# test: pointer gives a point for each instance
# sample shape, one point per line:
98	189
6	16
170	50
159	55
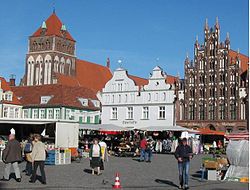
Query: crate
211	165
50	160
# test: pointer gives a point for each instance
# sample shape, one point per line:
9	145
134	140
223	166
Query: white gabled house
134	102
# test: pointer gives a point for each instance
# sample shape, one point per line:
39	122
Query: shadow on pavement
167	182
88	171
197	174
136	159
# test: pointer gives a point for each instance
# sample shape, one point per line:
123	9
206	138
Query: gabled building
129	101
214	92
10	106
58	102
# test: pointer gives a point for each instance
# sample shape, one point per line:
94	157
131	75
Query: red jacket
143	144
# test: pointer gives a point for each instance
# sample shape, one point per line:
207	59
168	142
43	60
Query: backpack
28	147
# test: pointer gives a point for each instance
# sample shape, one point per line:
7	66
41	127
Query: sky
141	33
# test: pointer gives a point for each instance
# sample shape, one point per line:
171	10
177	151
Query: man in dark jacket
12	154
183	154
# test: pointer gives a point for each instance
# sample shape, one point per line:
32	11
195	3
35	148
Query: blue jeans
183	168
149	155
143	155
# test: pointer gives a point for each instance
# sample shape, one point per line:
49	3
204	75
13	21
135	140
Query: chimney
12	80
108	62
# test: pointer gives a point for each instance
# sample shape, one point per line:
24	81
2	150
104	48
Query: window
130	114
212	92
67	116
211	112
5	112
191	112
221	111
126	97
201	112
242	110
42	114
119	98
222	63
149	97
233	111
17	113
114	113
162	112
12	112
145	113
50	114
192	93
113	98
232	77
45	99
156	96
222	92
164	96
233	91
58	115
35	114
201	65
202	93
25	113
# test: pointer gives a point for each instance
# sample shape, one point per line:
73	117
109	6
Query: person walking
95	156
149	150
104	151
183	154
143	146
12	154
38	156
27	151
158	146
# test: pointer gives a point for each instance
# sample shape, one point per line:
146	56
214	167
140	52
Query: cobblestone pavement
160	174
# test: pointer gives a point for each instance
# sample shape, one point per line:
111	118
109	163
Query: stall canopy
206	131
237	136
102	127
164	128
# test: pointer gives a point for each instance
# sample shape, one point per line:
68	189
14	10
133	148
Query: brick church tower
51	51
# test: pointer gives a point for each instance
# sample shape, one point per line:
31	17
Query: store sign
129	122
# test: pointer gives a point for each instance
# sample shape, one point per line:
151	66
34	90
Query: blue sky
136	31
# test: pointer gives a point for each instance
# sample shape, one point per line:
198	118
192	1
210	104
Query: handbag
28	157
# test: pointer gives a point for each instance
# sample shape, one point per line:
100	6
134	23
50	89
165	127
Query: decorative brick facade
214	92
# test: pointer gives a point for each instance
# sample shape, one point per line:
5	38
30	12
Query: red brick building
214	92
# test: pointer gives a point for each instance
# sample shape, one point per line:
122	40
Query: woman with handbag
95	156
38	158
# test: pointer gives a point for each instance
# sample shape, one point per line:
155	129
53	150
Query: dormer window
96	103
45	99
8	96
84	101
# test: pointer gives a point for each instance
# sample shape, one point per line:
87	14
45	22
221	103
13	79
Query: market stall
60	137
238	156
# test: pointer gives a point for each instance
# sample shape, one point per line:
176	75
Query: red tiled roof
92	75
244	59
67	80
6	87
138	80
54	26
171	79
61	95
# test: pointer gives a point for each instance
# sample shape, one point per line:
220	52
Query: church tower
51	52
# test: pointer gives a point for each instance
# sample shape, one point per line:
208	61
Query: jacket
91	151
12	152
38	152
183	152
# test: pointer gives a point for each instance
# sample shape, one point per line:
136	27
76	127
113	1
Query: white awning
102	127
27	121
164	128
